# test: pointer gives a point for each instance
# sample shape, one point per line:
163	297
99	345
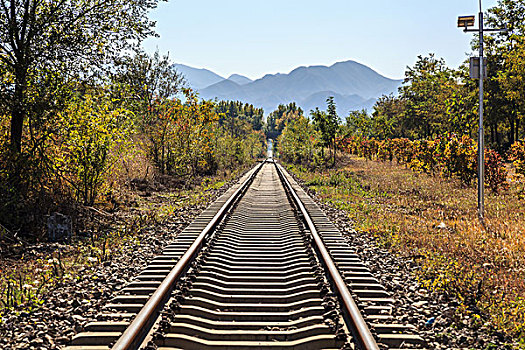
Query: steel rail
136	332
357	323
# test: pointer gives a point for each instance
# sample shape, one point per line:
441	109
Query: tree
358	123
426	89
277	120
74	37
387	118
328	125
503	108
231	112
461	105
333	123
513	80
298	141
140	79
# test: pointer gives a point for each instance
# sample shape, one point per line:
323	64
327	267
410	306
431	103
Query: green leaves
77	38
93	137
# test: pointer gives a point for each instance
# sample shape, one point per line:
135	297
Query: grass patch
27	275
434	221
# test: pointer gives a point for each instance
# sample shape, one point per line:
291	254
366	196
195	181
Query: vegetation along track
261	268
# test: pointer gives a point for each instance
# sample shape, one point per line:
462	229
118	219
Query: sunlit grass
435	222
24	281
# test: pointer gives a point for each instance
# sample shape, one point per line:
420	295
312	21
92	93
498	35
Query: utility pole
481	132
466	22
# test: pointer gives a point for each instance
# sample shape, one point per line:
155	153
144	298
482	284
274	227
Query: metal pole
481	143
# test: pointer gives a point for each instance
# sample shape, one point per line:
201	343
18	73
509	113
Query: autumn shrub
459	159
367	147
374	147
517	156
403	150
385	151
354	144
349	144
92	140
495	172
454	157
424	159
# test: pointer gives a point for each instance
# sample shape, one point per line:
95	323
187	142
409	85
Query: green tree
138	80
74	37
298	142
503	109
388	115
461	104
426	89
358	123
328	125
277	120
231	112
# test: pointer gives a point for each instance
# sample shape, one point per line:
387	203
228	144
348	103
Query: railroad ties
256	282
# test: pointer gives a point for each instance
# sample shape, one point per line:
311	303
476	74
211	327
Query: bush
385	151
93	138
403	150
459	159
455	157
424	159
517	156
495	172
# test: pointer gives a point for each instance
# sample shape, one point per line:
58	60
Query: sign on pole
474	68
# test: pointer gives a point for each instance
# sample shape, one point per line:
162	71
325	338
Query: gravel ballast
77	300
432	313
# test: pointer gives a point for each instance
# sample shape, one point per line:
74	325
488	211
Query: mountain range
353	85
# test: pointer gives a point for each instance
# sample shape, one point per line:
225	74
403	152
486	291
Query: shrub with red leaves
495	172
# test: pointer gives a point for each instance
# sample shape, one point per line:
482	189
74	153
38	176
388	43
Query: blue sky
254	37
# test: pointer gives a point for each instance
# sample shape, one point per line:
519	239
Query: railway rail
261	268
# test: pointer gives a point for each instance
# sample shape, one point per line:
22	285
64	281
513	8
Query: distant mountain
198	78
353	85
240	79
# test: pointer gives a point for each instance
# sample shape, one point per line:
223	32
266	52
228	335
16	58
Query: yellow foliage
93	137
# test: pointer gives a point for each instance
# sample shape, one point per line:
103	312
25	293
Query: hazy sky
253	37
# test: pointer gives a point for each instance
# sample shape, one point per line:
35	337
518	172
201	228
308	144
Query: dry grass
435	222
27	272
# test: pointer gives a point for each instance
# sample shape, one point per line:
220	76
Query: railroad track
261	268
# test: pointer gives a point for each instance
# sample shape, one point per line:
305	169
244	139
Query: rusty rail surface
135	333
357	323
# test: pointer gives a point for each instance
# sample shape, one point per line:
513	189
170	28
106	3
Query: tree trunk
517	137
335	151
17	112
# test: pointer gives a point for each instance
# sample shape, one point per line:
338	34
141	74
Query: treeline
236	110
79	120
303	140
435	99
434	103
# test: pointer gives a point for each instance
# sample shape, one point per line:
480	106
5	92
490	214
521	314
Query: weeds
434	221
25	281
